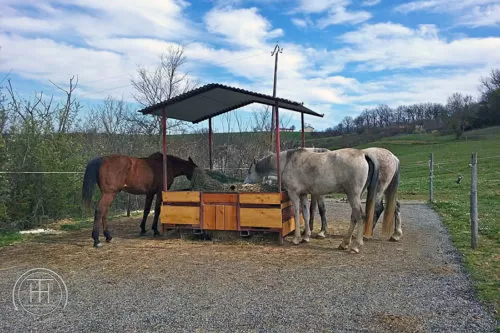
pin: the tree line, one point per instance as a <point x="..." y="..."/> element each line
<point x="459" y="114"/>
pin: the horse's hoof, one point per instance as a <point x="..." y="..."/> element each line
<point x="394" y="239"/>
<point x="306" y="240"/>
<point x="108" y="239"/>
<point x="321" y="235"/>
<point x="156" y="233"/>
<point x="296" y="241"/>
<point x="143" y="233"/>
<point x="97" y="245"/>
<point x="354" y="250"/>
<point x="343" y="246"/>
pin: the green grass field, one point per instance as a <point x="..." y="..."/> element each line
<point x="452" y="200"/>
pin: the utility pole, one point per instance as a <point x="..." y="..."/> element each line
<point x="276" y="51"/>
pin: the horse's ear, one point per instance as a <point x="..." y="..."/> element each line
<point x="190" y="160"/>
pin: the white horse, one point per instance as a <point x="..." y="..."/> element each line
<point x="387" y="187"/>
<point x="346" y="171"/>
<point x="267" y="167"/>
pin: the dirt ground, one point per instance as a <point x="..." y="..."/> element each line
<point x="174" y="283"/>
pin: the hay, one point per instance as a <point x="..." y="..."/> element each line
<point x="207" y="181"/>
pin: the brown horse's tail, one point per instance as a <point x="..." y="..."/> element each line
<point x="90" y="179"/>
<point x="372" y="183"/>
<point x="391" y="199"/>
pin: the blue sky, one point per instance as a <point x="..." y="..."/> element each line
<point x="340" y="56"/>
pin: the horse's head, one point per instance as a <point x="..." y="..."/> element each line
<point x="253" y="176"/>
<point x="190" y="168"/>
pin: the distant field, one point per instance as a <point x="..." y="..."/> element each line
<point x="451" y="159"/>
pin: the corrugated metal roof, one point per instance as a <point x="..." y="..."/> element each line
<point x="214" y="99"/>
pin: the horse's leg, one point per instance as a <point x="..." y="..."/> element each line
<point x="296" y="206"/>
<point x="307" y="233"/>
<point x="147" y="208"/>
<point x="398" y="231"/>
<point x="158" y="203"/>
<point x="108" y="200"/>
<point x="312" y="211"/>
<point x="100" y="214"/>
<point x="356" y="217"/>
<point x="379" y="208"/>
<point x="322" y="214"/>
<point x="359" y="220"/>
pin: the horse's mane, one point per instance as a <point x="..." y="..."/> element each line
<point x="264" y="164"/>
<point x="159" y="156"/>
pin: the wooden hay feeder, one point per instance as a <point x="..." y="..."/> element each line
<point x="231" y="211"/>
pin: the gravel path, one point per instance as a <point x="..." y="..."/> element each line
<point x="169" y="285"/>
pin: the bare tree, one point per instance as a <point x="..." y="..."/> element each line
<point x="70" y="109"/>
<point x="162" y="83"/>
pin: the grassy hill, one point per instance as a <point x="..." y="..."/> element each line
<point x="451" y="159"/>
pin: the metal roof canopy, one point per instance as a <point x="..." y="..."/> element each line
<point x="214" y="99"/>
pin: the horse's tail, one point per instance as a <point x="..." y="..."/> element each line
<point x="390" y="208"/>
<point x="90" y="179"/>
<point x="372" y="184"/>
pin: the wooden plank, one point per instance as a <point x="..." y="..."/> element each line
<point x="260" y="198"/>
<point x="209" y="217"/>
<point x="219" y="217"/>
<point x="288" y="226"/>
<point x="180" y="215"/>
<point x="181" y="196"/>
<point x="230" y="218"/>
<point x="261" y="217"/>
<point x="210" y="198"/>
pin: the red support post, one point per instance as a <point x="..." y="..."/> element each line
<point x="210" y="143"/>
<point x="302" y="123"/>
<point x="164" y="147"/>
<point x="278" y="146"/>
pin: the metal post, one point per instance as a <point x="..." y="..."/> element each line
<point x="302" y="124"/>
<point x="164" y="146"/>
<point x="431" y="177"/>
<point x="128" y="205"/>
<point x="210" y="143"/>
<point x="473" y="203"/>
<point x="274" y="120"/>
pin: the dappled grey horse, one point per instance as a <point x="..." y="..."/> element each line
<point x="267" y="166"/>
<point x="387" y="187"/>
<point x="318" y="173"/>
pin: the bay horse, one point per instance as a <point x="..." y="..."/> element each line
<point x="388" y="183"/>
<point x="115" y="173"/>
<point x="346" y="170"/>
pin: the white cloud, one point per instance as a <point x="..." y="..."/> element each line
<point x="391" y="46"/>
<point x="482" y="16"/>
<point x="299" y="22"/>
<point x="319" y="6"/>
<point x="97" y="19"/>
<point x="241" y="27"/>
<point x="369" y="3"/>
<point x="341" y="16"/>
<point x="472" y="13"/>
<point x="332" y="12"/>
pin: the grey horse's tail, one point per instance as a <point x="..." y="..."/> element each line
<point x="372" y="183"/>
<point x="90" y="179"/>
<point x="391" y="201"/>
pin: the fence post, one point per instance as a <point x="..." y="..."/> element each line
<point x="128" y="206"/>
<point x="473" y="203"/>
<point x="431" y="177"/>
